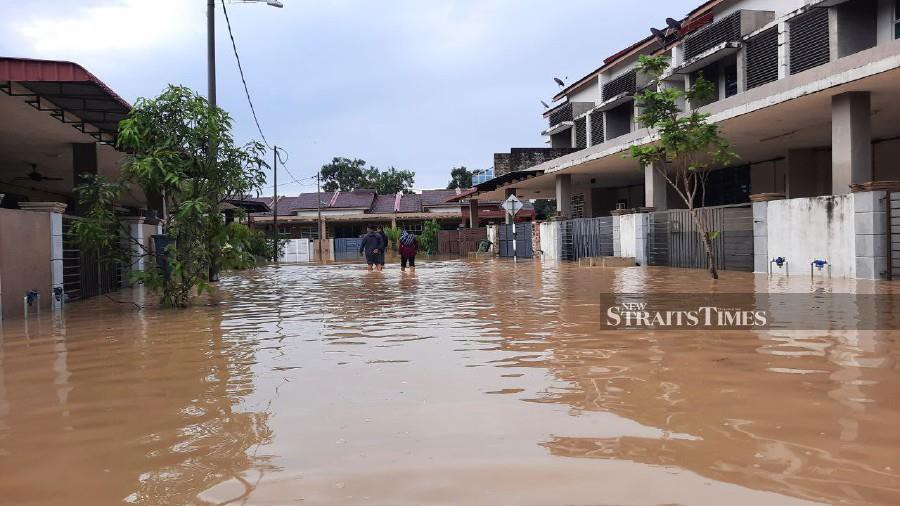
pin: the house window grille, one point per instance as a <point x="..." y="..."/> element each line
<point x="762" y="58"/>
<point x="809" y="41"/>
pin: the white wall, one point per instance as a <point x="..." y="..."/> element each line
<point x="550" y="240"/>
<point x="806" y="229"/>
<point x="627" y="235"/>
<point x="781" y="7"/>
<point x="588" y="93"/>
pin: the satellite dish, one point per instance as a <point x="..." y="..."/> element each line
<point x="674" y="24"/>
<point x="545" y="104"/>
<point x="559" y="81"/>
<point x="659" y="34"/>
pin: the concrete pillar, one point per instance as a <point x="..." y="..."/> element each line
<point x="641" y="229"/>
<point x="742" y="70"/>
<point x="56" y="258"/>
<point x="617" y="237"/>
<point x="851" y="140"/>
<point x="783" y="49"/>
<point x="136" y="241"/>
<point x="84" y="160"/>
<point x="760" y="237"/>
<point x="885" y="22"/>
<point x="871" y="230"/>
<point x="473" y="213"/>
<point x="656" y="189"/>
<point x="564" y="195"/>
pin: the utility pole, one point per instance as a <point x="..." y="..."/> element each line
<point x="211" y="98"/>
<point x="319" y="206"/>
<point x="275" y="205"/>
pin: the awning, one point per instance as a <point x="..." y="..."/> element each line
<point x="498" y="182"/>
<point x="68" y="92"/>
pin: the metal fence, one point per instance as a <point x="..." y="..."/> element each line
<point x="894" y="237"/>
<point x="673" y="240"/>
<point x="522" y="237"/>
<point x="587" y="237"/>
<point x="84" y="276"/>
<point x="460" y="242"/>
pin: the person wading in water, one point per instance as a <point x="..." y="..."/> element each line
<point x="384" y="246"/>
<point x="372" y="246"/>
<point x="409" y="246"/>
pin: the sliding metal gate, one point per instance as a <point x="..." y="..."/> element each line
<point x="460" y="242"/>
<point x="588" y="237"/>
<point x="524" y="248"/>
<point x="84" y="276"/>
<point x="894" y="238"/>
<point x="673" y="240"/>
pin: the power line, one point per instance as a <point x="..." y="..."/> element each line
<point x="243" y="79"/>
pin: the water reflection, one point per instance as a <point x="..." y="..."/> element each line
<point x="461" y="383"/>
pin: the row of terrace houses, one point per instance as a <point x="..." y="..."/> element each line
<point x="807" y="93"/>
<point x="347" y="214"/>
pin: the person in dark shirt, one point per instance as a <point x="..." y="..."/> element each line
<point x="372" y="245"/>
<point x="384" y="245"/>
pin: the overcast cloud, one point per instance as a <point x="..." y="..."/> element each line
<point x="414" y="84"/>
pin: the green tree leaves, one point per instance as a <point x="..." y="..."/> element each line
<point x="460" y="178"/>
<point x="347" y="174"/>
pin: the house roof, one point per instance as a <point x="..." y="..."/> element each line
<point x="691" y="25"/>
<point x="438" y="197"/>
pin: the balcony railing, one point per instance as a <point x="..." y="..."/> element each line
<point x="720" y="32"/>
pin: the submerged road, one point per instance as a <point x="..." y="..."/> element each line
<point x="464" y="383"/>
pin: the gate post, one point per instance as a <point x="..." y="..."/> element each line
<point x="871" y="227"/>
<point x="760" y="238"/>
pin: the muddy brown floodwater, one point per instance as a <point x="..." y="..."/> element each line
<point x="466" y="383"/>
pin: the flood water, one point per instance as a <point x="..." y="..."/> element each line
<point x="465" y="383"/>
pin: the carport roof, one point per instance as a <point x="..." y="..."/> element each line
<point x="70" y="89"/>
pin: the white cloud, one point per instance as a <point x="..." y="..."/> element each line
<point x="112" y="27"/>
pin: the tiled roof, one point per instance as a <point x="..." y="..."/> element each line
<point x="411" y="203"/>
<point x="384" y="204"/>
<point x="354" y="200"/>
<point x="437" y="197"/>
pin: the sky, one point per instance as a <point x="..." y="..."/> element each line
<point x="422" y="85"/>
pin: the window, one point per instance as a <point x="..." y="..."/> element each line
<point x="731" y="80"/>
<point x="897" y="19"/>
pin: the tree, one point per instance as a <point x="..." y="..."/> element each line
<point x="544" y="209"/>
<point x="460" y="178"/>
<point x="169" y="141"/>
<point x="685" y="147"/>
<point x="391" y="181"/>
<point x="428" y="240"/>
<point x="344" y="174"/>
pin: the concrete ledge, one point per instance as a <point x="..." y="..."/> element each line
<point x="608" y="262"/>
<point x="46" y="207"/>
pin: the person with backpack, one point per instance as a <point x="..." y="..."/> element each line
<point x="409" y="246"/>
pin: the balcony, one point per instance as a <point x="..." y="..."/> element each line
<point x="618" y="91"/>
<point x="721" y="39"/>
<point x="562" y="117"/>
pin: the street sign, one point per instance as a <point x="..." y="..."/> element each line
<point x="512" y="205"/>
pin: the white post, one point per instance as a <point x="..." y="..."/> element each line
<point x="56" y="260"/>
